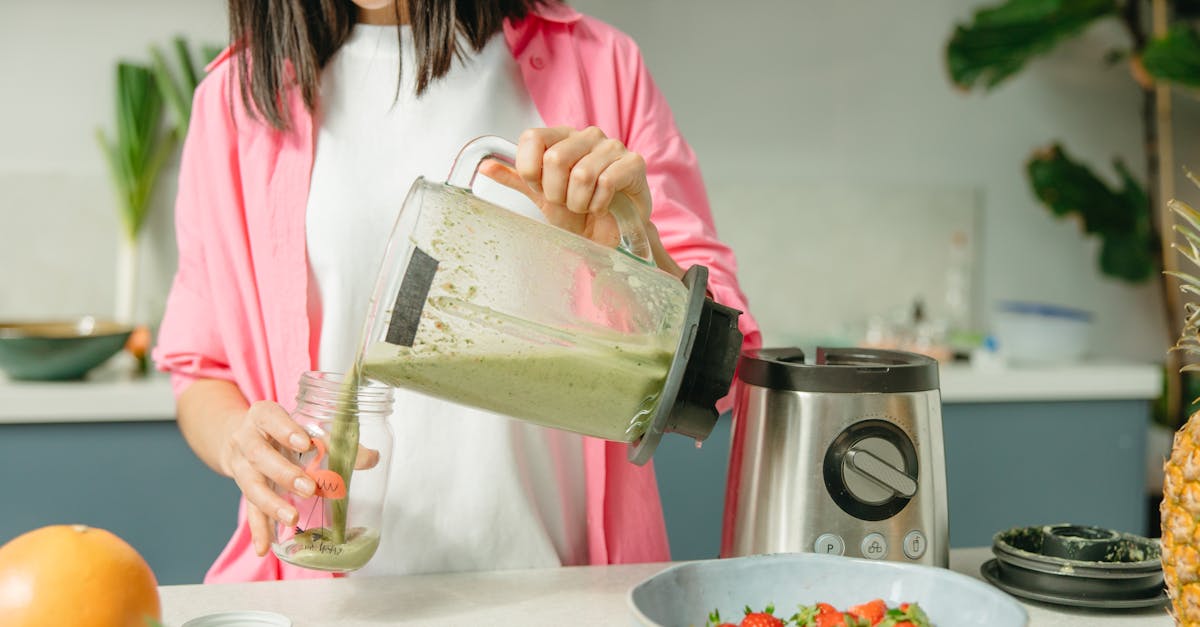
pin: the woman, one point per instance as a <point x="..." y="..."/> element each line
<point x="301" y="145"/>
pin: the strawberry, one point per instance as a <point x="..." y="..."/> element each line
<point x="872" y="611"/>
<point x="765" y="618"/>
<point x="806" y="617"/>
<point x="831" y="619"/>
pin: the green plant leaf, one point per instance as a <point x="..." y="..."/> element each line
<point x="134" y="152"/>
<point x="1125" y="256"/>
<point x="1119" y="217"/>
<point x="179" y="97"/>
<point x="1176" y="57"/>
<point x="187" y="69"/>
<point x="1001" y="39"/>
<point x="1068" y="187"/>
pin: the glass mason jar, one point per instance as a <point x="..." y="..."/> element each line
<point x="338" y="527"/>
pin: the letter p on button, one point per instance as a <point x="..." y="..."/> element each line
<point x="830" y="544"/>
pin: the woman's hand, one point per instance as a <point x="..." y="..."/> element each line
<point x="252" y="457"/>
<point x="573" y="176"/>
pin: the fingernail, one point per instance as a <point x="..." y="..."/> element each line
<point x="304" y="486"/>
<point x="260" y="548"/>
<point x="299" y="442"/>
<point x="286" y="515"/>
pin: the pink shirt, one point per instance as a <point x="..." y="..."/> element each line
<point x="238" y="306"/>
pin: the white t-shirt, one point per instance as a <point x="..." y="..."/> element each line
<point x="468" y="490"/>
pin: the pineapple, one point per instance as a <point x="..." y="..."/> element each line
<point x="1180" y="508"/>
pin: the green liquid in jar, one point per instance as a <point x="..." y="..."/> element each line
<point x="314" y="549"/>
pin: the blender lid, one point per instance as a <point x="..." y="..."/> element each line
<point x="700" y="373"/>
<point x="839" y="370"/>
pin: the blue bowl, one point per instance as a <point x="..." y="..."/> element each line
<point x="58" y="351"/>
<point x="685" y="594"/>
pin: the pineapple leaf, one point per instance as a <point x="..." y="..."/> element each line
<point x="1191" y="253"/>
<point x="1188" y="234"/>
<point x="1183" y="276"/>
<point x="1191" y="177"/>
<point x="1185" y="211"/>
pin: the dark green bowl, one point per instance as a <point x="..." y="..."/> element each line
<point x="58" y="351"/>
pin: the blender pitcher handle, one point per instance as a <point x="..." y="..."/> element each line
<point x="633" y="240"/>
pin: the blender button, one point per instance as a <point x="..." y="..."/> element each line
<point x="914" y="544"/>
<point x="874" y="546"/>
<point x="829" y="543"/>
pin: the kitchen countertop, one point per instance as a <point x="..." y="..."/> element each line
<point x="587" y="595"/>
<point x="107" y="398"/>
<point x="111" y="398"/>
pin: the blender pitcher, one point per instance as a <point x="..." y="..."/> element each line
<point x="481" y="306"/>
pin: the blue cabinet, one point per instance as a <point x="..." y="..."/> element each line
<point x="1008" y="464"/>
<point x="137" y="479"/>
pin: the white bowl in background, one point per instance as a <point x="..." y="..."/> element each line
<point x="1041" y="333"/>
<point x="684" y="595"/>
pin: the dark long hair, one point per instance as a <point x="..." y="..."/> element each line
<point x="270" y="33"/>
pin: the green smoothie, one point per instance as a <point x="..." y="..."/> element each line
<point x="607" y="391"/>
<point x="315" y="549"/>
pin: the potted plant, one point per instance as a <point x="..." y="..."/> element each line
<point x="143" y="142"/>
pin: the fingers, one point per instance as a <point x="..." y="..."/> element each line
<point x="588" y="171"/>
<point x="266" y="461"/>
<point x="626" y="176"/>
<point x="531" y="149"/>
<point x="260" y="530"/>
<point x="275" y="422"/>
<point x="259" y="494"/>
<point x="508" y="177"/>
<point x="580" y="172"/>
<point x="560" y="158"/>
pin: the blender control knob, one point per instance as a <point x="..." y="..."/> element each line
<point x="871" y="469"/>
<point x="882" y="472"/>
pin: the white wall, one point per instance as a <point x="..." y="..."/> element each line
<point x="806" y="92"/>
<point x="58" y="224"/>
<point x="780" y="91"/>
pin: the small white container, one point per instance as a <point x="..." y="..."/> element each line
<point x="241" y="619"/>
<point x="1031" y="333"/>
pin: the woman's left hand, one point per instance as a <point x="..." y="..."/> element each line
<point x="573" y="176"/>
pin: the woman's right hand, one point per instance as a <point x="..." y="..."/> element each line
<point x="253" y="459"/>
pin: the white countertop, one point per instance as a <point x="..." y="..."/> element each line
<point x="111" y="399"/>
<point x="107" y="398"/>
<point x="589" y="595"/>
<point x="1074" y="382"/>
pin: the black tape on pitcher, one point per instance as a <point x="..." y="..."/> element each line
<point x="410" y="300"/>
